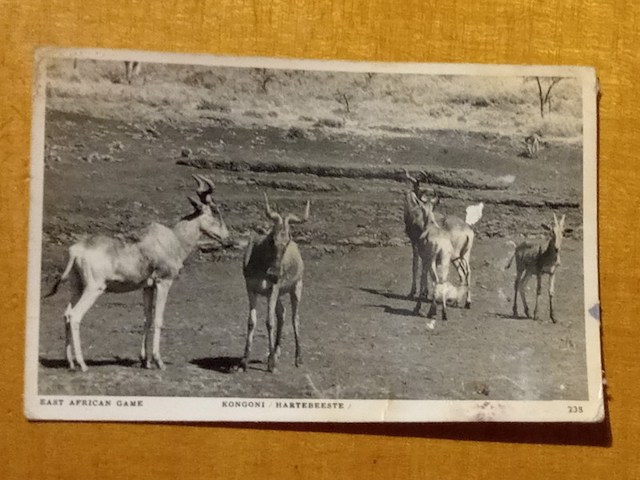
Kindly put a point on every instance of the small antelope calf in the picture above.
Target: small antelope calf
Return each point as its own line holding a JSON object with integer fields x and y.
{"x": 273, "y": 267}
{"x": 436, "y": 251}
{"x": 537, "y": 258}
{"x": 99, "y": 264}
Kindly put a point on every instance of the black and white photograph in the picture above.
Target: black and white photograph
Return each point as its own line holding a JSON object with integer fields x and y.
{"x": 251, "y": 239}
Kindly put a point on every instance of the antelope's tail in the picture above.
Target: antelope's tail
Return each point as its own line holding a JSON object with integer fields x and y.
{"x": 510, "y": 242}
{"x": 62, "y": 278}
{"x": 474, "y": 214}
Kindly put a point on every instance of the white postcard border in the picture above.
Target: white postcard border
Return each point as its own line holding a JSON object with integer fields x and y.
{"x": 133, "y": 409}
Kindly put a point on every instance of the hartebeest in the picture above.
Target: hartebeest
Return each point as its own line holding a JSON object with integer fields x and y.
{"x": 538, "y": 257}
{"x": 460, "y": 232}
{"x": 532, "y": 142}
{"x": 436, "y": 252}
{"x": 273, "y": 267}
{"x": 99, "y": 264}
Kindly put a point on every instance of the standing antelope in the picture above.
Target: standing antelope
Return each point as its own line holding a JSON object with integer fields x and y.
{"x": 131, "y": 70}
{"x": 273, "y": 267}
{"x": 436, "y": 251}
{"x": 99, "y": 264}
{"x": 460, "y": 232}
{"x": 537, "y": 258}
{"x": 532, "y": 142}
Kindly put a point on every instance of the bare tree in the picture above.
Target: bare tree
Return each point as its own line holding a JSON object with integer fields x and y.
{"x": 344, "y": 99}
{"x": 264, "y": 77}
{"x": 545, "y": 96}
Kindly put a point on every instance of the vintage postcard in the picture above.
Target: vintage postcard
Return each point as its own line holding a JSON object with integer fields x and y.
{"x": 248, "y": 239}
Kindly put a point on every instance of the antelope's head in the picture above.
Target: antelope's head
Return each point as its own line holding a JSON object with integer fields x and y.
{"x": 420, "y": 195}
{"x": 280, "y": 237}
{"x": 209, "y": 217}
{"x": 557, "y": 232}
{"x": 428, "y": 206}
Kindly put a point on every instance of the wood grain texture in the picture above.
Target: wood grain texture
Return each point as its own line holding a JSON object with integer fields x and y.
{"x": 601, "y": 33}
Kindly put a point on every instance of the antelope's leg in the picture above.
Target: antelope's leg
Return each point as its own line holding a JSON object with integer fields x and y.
{"x": 552, "y": 288}
{"x": 516, "y": 289}
{"x": 436, "y": 281}
{"x": 280, "y": 312}
{"x": 538, "y": 295}
{"x": 76, "y": 293}
{"x": 422, "y": 292}
{"x": 271, "y": 315}
{"x": 444, "y": 304}
{"x": 74, "y": 317}
{"x": 68, "y": 339}
{"x": 523, "y": 285}
{"x": 460, "y": 269}
{"x": 162, "y": 291}
{"x": 145, "y": 349}
{"x": 251, "y": 325}
{"x": 415, "y": 271}
{"x": 296, "y": 296}
{"x": 467, "y": 263}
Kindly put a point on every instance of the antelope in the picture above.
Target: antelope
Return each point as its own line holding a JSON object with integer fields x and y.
{"x": 460, "y": 232}
{"x": 132, "y": 70}
{"x": 537, "y": 258}
{"x": 532, "y": 142}
{"x": 436, "y": 251}
{"x": 99, "y": 264}
{"x": 273, "y": 267}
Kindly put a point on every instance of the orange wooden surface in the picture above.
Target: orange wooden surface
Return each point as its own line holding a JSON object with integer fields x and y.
{"x": 603, "y": 33}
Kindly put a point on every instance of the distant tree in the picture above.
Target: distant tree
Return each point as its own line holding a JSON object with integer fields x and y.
{"x": 544, "y": 97}
{"x": 264, "y": 77}
{"x": 344, "y": 100}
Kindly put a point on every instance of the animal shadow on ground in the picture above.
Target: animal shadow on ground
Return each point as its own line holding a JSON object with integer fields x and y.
{"x": 405, "y": 312}
{"x": 509, "y": 316}
{"x": 385, "y": 294}
{"x": 62, "y": 363}
{"x": 222, "y": 364}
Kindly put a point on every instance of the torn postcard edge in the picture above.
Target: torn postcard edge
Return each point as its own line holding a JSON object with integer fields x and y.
{"x": 327, "y": 200}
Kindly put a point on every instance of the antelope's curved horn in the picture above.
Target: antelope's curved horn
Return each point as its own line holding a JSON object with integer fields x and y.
{"x": 410, "y": 178}
{"x": 195, "y": 202}
{"x": 208, "y": 182}
{"x": 270, "y": 213}
{"x": 201, "y": 185}
{"x": 291, "y": 218}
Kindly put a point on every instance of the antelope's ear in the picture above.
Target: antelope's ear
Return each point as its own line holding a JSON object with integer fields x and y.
{"x": 546, "y": 227}
{"x": 567, "y": 230}
{"x": 197, "y": 204}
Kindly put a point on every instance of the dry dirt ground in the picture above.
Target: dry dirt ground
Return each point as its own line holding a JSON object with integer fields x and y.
{"x": 359, "y": 336}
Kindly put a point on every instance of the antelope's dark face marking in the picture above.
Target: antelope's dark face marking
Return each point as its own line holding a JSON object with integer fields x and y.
{"x": 280, "y": 237}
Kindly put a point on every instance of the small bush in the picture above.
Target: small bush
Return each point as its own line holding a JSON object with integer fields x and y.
{"x": 296, "y": 133}
{"x": 329, "y": 123}
{"x": 116, "y": 146}
{"x": 252, "y": 114}
{"x": 214, "y": 107}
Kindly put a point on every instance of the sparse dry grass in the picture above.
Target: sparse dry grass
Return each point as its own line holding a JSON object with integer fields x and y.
{"x": 379, "y": 104}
